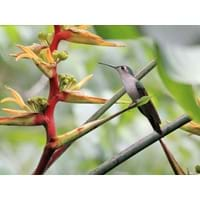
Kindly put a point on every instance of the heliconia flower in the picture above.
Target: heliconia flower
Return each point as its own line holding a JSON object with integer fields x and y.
{"x": 38, "y": 104}
{"x": 71, "y": 91}
{"x": 45, "y": 38}
{"x": 66, "y": 81}
{"x": 41, "y": 56}
{"x": 192, "y": 127}
{"x": 59, "y": 55}
{"x": 48, "y": 57}
{"x": 79, "y": 34}
{"x": 29, "y": 51}
{"x": 16, "y": 98}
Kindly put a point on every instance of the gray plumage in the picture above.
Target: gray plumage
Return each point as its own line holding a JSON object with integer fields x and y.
{"x": 136, "y": 90}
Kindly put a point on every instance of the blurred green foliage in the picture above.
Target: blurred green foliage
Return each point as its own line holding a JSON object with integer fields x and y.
{"x": 21, "y": 147}
{"x": 117, "y": 31}
{"x": 182, "y": 92}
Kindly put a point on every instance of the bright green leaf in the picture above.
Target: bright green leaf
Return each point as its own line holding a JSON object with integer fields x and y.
{"x": 183, "y": 93}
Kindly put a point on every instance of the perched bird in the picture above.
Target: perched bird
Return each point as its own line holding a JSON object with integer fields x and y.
{"x": 136, "y": 90}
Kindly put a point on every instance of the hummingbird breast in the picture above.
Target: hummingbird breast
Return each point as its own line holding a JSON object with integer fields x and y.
{"x": 129, "y": 83}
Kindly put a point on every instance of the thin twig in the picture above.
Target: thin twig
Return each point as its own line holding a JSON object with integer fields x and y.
{"x": 171, "y": 159}
{"x": 139, "y": 146}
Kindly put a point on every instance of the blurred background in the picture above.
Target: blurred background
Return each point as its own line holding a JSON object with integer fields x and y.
{"x": 21, "y": 147}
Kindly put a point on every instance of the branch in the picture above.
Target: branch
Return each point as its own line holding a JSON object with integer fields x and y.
{"x": 46, "y": 156}
{"x": 121, "y": 92}
{"x": 139, "y": 146}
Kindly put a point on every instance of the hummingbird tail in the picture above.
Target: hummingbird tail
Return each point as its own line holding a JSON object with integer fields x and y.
{"x": 155, "y": 125}
{"x": 150, "y": 112}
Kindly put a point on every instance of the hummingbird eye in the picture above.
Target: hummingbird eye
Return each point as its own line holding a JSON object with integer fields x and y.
{"x": 122, "y": 67}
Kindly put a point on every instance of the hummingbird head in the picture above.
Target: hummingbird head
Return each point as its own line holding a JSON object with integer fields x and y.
{"x": 122, "y": 69}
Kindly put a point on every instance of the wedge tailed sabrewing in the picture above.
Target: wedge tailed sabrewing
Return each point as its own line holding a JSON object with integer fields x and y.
{"x": 136, "y": 90}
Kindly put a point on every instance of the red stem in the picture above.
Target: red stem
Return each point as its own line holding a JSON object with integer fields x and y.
{"x": 49, "y": 112}
{"x": 39, "y": 119}
{"x": 54, "y": 44}
{"x": 56, "y": 39}
{"x": 49, "y": 119}
{"x": 50, "y": 155}
{"x": 52, "y": 101}
{"x": 57, "y": 153}
{"x": 57, "y": 29}
{"x": 58, "y": 36}
{"x": 54, "y": 87}
{"x": 46, "y": 155}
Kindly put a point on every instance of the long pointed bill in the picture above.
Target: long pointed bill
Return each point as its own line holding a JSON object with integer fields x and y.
{"x": 107, "y": 65}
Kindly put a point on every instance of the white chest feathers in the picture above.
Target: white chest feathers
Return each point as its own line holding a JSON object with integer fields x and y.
{"x": 129, "y": 83}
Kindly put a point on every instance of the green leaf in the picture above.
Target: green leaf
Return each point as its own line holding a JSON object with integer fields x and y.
{"x": 117, "y": 31}
{"x": 143, "y": 100}
{"x": 183, "y": 93}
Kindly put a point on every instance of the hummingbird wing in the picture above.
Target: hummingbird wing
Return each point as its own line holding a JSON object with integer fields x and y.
{"x": 148, "y": 109}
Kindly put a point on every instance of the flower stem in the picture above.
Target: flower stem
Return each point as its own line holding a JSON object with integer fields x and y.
{"x": 46, "y": 155}
{"x": 49, "y": 112}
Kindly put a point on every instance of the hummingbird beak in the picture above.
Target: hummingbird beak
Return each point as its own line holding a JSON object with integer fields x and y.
{"x": 107, "y": 65}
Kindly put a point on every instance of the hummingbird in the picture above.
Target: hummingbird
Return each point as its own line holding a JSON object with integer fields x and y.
{"x": 135, "y": 89}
